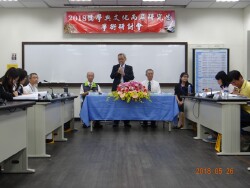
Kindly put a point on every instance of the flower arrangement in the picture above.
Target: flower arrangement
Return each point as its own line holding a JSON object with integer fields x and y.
{"x": 132, "y": 90}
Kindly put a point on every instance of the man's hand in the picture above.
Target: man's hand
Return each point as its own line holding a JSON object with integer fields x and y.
{"x": 206, "y": 89}
{"x": 85, "y": 93}
{"x": 121, "y": 71}
{"x": 236, "y": 91}
{"x": 15, "y": 93}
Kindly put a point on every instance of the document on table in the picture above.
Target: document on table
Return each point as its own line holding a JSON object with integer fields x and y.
{"x": 33, "y": 96}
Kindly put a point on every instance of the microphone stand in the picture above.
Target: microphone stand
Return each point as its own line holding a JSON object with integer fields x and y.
{"x": 52, "y": 94}
{"x": 211, "y": 95}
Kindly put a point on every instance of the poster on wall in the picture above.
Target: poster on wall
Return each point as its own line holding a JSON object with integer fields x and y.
{"x": 8, "y": 66}
{"x": 120, "y": 22}
{"x": 206, "y": 64}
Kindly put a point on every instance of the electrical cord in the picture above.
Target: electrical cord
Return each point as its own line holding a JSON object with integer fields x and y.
{"x": 12, "y": 110}
{"x": 196, "y": 102}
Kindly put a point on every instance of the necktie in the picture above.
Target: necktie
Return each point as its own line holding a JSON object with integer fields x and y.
{"x": 90, "y": 85}
{"x": 149, "y": 86}
{"x": 122, "y": 80}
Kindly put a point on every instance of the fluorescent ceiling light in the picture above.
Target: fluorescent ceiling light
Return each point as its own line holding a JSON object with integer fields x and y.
{"x": 227, "y": 0}
{"x": 154, "y": 0}
{"x": 80, "y": 0}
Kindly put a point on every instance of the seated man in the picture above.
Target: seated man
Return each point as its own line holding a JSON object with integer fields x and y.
{"x": 89, "y": 86}
{"x": 153, "y": 87}
{"x": 243, "y": 89}
{"x": 32, "y": 86}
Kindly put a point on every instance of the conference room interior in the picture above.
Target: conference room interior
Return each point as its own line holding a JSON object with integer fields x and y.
{"x": 34, "y": 32}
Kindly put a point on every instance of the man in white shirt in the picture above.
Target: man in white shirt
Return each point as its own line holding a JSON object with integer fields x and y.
{"x": 90, "y": 86}
{"x": 32, "y": 86}
{"x": 153, "y": 87}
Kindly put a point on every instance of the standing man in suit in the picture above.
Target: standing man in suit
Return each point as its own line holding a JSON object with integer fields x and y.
{"x": 121, "y": 73}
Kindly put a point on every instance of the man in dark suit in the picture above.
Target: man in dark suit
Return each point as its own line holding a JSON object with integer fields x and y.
{"x": 121, "y": 73}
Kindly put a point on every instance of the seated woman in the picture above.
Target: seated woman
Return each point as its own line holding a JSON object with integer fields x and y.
{"x": 222, "y": 80}
{"x": 7, "y": 84}
{"x": 22, "y": 80}
{"x": 181, "y": 89}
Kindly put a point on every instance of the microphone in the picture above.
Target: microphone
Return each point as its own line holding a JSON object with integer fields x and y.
{"x": 39, "y": 84}
{"x": 66, "y": 91}
{"x": 52, "y": 94}
{"x": 211, "y": 95}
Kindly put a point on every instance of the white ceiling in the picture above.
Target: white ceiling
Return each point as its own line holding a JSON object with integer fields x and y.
{"x": 184, "y": 3}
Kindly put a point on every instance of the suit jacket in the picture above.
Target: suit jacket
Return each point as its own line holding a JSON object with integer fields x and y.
{"x": 129, "y": 75}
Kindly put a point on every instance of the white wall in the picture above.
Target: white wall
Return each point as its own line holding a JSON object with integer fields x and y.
{"x": 198, "y": 27}
{"x": 247, "y": 41}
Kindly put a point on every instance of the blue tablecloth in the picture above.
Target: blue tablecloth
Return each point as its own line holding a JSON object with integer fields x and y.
{"x": 97, "y": 107}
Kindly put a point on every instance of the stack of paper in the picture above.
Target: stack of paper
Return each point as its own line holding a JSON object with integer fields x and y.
{"x": 33, "y": 96}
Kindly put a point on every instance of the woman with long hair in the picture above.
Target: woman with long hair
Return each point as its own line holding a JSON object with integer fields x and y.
{"x": 223, "y": 81}
{"x": 7, "y": 84}
{"x": 21, "y": 81}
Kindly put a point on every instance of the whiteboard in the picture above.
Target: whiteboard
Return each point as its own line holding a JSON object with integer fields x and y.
{"x": 69, "y": 62}
{"x": 207, "y": 63}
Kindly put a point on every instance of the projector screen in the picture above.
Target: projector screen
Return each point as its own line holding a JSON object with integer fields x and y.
{"x": 69, "y": 62}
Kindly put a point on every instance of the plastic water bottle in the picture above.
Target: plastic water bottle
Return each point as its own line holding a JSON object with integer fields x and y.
{"x": 226, "y": 92}
{"x": 189, "y": 89}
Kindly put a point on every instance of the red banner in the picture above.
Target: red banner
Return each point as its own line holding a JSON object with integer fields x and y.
{"x": 120, "y": 22}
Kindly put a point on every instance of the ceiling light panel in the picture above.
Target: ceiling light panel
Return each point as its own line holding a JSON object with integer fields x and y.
{"x": 11, "y": 4}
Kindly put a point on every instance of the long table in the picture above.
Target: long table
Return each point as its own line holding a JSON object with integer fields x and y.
{"x": 100, "y": 107}
{"x": 13, "y": 137}
{"x": 222, "y": 116}
{"x": 48, "y": 116}
{"x": 248, "y": 105}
